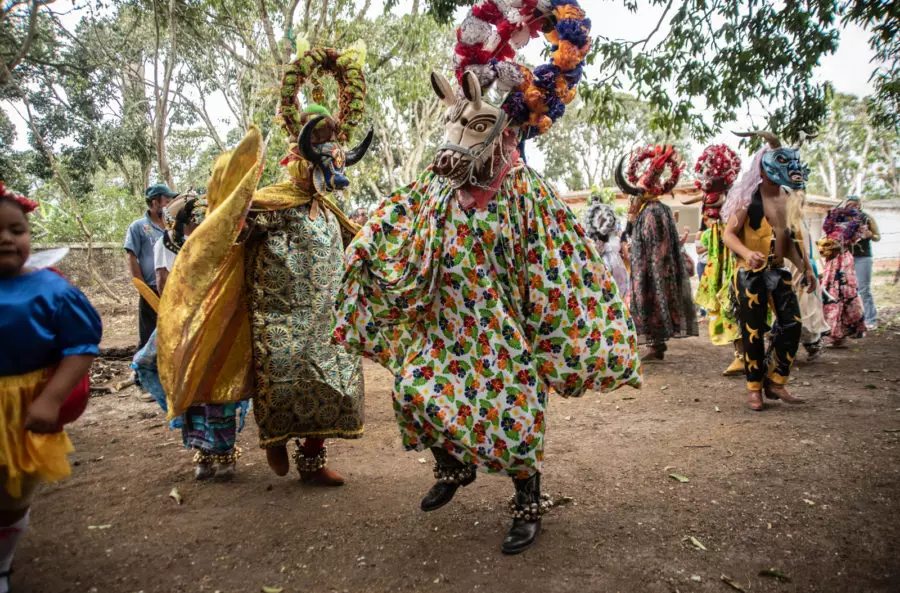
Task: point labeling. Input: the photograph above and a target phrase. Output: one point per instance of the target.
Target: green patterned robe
(305, 386)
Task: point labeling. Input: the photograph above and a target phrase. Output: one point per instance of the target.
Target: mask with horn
(649, 179)
(327, 158)
(781, 164)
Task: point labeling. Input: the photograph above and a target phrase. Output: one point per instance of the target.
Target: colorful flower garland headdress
(27, 205)
(649, 177)
(489, 37)
(717, 165)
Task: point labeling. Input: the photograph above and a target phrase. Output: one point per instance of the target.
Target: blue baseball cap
(160, 190)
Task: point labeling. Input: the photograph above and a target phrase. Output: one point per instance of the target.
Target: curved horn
(771, 138)
(442, 89)
(304, 142)
(620, 180)
(356, 154)
(803, 138)
(472, 88)
(690, 201)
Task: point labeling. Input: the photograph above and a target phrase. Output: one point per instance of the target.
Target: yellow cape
(203, 332)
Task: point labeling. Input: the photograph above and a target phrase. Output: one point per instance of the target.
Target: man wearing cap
(862, 261)
(142, 235)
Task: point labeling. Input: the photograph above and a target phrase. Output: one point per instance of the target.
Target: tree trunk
(70, 197)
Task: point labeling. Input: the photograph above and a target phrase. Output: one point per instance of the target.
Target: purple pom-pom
(572, 31)
(556, 108)
(555, 3)
(516, 108)
(573, 76)
(545, 76)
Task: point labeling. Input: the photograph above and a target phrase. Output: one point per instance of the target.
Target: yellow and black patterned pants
(755, 290)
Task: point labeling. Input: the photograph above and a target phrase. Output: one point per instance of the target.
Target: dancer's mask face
(472, 129)
(784, 167)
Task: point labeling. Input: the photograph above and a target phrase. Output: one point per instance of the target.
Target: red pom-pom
(488, 12)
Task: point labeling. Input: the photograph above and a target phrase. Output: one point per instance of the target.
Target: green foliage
(707, 61)
(853, 154)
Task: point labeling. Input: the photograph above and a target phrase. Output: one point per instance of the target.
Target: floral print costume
(845, 316)
(661, 301)
(478, 313)
(714, 292)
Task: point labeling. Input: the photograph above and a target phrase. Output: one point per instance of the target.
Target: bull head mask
(472, 133)
(329, 161)
(782, 164)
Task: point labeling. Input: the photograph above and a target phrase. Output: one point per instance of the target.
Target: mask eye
(479, 127)
(781, 159)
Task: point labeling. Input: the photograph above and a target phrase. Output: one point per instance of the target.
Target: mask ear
(442, 89)
(472, 89)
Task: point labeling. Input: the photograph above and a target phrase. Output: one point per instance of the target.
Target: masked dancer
(661, 301)
(814, 325)
(844, 227)
(757, 232)
(716, 170)
(272, 295)
(601, 227)
(474, 285)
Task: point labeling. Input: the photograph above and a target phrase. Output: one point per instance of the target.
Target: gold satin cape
(203, 331)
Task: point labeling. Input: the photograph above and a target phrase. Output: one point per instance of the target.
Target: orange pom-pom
(569, 96)
(569, 11)
(567, 56)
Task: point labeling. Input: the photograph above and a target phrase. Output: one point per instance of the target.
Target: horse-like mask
(472, 134)
(328, 159)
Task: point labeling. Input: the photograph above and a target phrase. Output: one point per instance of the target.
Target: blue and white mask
(784, 167)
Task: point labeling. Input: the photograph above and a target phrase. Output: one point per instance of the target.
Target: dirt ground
(811, 491)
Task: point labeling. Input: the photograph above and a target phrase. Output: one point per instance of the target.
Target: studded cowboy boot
(311, 459)
(527, 508)
(450, 474)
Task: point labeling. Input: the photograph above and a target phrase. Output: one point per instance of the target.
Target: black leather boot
(450, 474)
(527, 509)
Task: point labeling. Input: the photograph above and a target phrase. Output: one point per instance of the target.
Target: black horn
(356, 154)
(304, 142)
(620, 180)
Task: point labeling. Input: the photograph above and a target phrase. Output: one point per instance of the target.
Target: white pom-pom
(492, 43)
(544, 6)
(484, 73)
(520, 38)
(474, 31)
(509, 76)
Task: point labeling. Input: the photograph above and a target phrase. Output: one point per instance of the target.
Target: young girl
(49, 335)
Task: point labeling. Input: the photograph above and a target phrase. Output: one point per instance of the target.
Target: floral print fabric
(661, 301)
(714, 292)
(479, 313)
(845, 316)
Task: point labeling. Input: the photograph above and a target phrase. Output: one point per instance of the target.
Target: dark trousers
(754, 291)
(146, 322)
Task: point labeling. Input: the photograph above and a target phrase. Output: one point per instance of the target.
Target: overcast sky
(848, 69)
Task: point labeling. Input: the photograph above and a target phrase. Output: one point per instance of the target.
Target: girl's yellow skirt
(23, 454)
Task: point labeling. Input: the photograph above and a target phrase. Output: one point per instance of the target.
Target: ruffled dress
(480, 313)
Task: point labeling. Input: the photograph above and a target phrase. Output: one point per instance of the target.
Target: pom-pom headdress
(599, 221)
(27, 205)
(717, 168)
(487, 42)
(646, 170)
